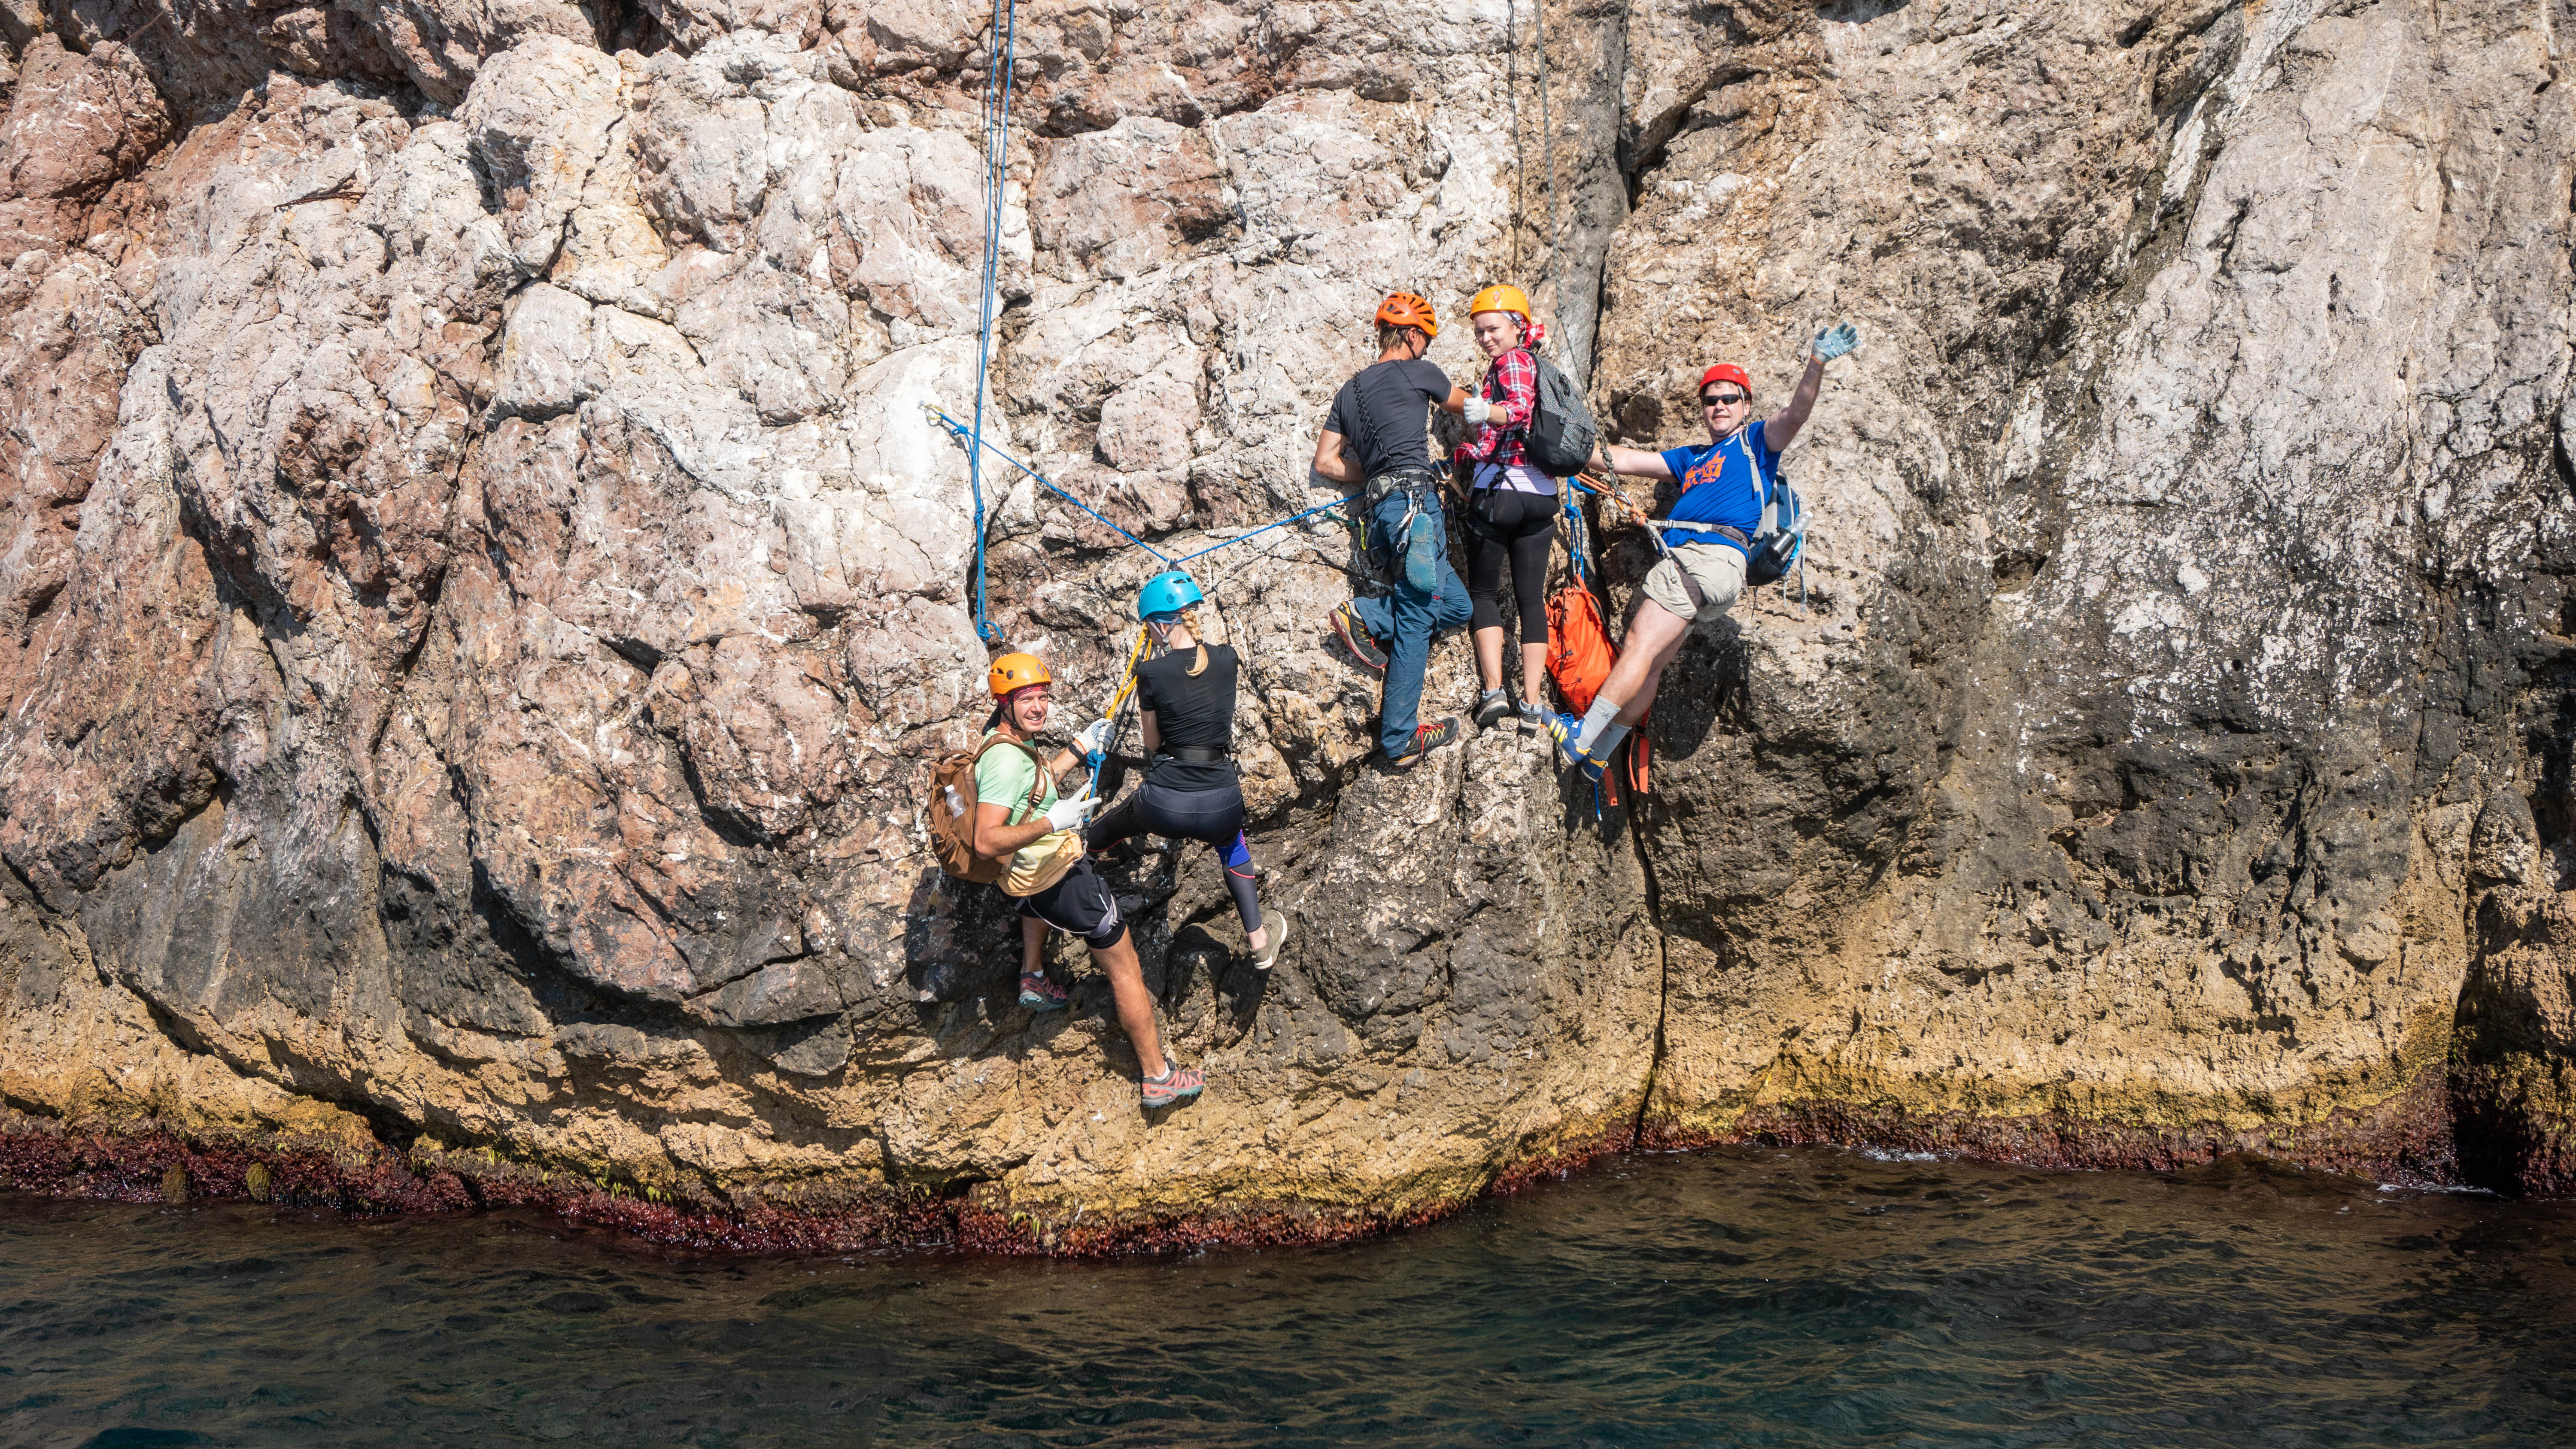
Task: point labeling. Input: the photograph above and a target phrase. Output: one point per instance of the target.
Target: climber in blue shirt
(1708, 537)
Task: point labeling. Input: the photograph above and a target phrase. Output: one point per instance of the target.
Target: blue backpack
(1780, 538)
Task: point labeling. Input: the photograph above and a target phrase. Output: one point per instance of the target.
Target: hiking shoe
(1426, 738)
(1492, 709)
(1355, 638)
(1037, 993)
(1533, 718)
(1177, 1084)
(1565, 729)
(1264, 957)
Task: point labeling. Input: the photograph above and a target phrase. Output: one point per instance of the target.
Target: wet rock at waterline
(482, 590)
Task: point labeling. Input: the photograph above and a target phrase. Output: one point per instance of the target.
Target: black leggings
(1506, 521)
(1215, 816)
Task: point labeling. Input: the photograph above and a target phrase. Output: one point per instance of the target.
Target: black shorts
(1079, 902)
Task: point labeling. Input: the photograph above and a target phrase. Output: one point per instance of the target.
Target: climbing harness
(1002, 39)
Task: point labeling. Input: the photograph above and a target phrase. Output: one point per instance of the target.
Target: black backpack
(1561, 432)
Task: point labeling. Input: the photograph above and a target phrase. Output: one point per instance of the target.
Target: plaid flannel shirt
(1506, 442)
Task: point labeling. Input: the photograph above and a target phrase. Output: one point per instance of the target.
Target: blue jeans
(1407, 620)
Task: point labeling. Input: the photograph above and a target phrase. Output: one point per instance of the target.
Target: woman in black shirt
(1186, 699)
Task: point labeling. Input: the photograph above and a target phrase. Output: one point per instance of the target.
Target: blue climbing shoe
(1037, 993)
(1565, 729)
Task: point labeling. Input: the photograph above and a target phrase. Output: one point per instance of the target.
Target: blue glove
(1834, 341)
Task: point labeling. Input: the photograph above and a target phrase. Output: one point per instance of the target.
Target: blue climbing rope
(1265, 528)
(1003, 42)
(976, 446)
(976, 442)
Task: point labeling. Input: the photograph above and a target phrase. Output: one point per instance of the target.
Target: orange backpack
(952, 812)
(1579, 654)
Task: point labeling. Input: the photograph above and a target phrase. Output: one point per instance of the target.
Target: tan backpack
(952, 812)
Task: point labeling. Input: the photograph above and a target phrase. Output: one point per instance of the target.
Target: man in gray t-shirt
(1398, 395)
(1381, 420)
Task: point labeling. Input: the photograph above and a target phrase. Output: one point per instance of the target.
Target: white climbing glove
(1094, 737)
(1072, 811)
(1477, 411)
(1834, 341)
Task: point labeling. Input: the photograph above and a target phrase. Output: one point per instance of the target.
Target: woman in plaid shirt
(1511, 512)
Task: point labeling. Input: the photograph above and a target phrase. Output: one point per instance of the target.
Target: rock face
(482, 592)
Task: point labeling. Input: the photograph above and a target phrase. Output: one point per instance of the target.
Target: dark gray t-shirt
(1396, 392)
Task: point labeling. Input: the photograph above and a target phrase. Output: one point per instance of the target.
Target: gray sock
(1610, 738)
(1601, 717)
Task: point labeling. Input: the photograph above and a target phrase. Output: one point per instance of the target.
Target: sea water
(1742, 1297)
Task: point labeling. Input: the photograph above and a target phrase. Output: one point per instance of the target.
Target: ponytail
(1190, 620)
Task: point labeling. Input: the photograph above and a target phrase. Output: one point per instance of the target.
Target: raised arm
(1782, 429)
(1833, 342)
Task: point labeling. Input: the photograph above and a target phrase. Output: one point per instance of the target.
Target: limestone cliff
(481, 591)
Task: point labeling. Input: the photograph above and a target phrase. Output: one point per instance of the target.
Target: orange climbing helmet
(1501, 298)
(1016, 671)
(1403, 309)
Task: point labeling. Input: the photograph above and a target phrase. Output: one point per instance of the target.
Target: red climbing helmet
(1726, 372)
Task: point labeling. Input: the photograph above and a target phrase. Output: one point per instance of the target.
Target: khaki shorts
(1716, 567)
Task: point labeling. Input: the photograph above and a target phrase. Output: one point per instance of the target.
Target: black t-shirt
(1396, 393)
(1195, 712)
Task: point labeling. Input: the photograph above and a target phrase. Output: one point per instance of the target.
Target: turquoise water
(1749, 1297)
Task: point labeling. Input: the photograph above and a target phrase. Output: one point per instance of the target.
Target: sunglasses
(1724, 399)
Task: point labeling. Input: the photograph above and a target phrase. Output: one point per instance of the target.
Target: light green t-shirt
(1002, 777)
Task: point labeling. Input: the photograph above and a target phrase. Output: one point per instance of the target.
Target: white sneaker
(1267, 955)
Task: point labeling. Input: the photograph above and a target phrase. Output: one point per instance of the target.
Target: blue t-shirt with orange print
(1725, 482)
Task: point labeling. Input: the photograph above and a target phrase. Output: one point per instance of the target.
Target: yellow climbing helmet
(1501, 298)
(1016, 671)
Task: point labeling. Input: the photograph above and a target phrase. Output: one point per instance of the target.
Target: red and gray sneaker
(1355, 638)
(1177, 1084)
(1037, 993)
(1426, 738)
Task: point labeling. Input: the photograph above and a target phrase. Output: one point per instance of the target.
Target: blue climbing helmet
(1166, 594)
